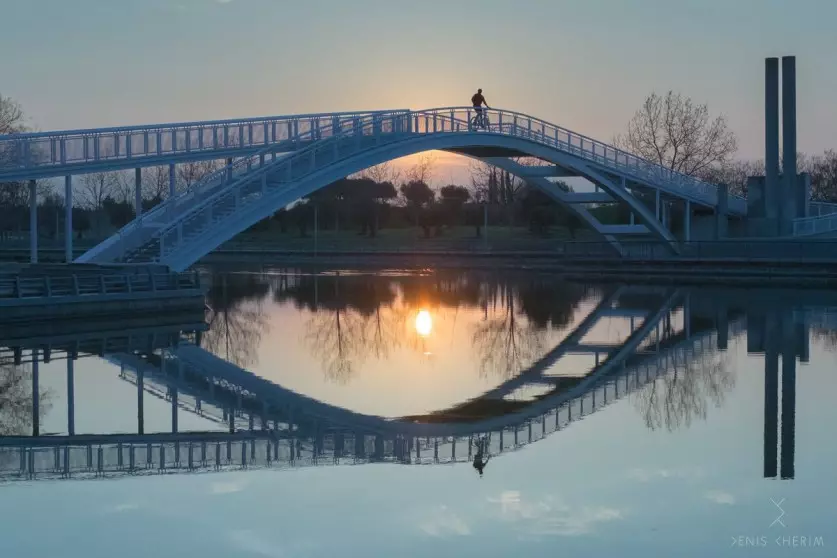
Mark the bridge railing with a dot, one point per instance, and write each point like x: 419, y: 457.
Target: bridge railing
x: 282, y: 173
x: 35, y: 155
x: 808, y: 226
x: 523, y: 125
x: 143, y: 228
x: 17, y: 290
x: 817, y: 208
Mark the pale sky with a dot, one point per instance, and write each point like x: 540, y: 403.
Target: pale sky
x: 582, y: 64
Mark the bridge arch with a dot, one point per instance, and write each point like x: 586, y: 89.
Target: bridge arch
x: 184, y: 255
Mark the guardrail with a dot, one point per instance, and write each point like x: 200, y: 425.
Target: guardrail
x: 817, y: 208
x: 751, y: 250
x: 808, y: 226
x: 522, y: 125
x: 15, y: 289
x: 42, y: 154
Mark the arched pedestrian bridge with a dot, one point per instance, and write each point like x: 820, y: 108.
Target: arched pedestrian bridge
x: 272, y: 162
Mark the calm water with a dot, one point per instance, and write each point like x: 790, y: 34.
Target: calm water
x: 611, y: 419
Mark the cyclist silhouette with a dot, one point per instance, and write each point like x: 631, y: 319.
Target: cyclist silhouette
x: 480, y: 461
x: 478, y: 100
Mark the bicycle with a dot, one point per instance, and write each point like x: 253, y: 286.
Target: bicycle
x: 480, y: 119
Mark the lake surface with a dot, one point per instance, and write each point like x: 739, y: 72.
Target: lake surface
x: 346, y: 411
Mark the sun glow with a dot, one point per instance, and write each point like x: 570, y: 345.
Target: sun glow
x: 424, y: 323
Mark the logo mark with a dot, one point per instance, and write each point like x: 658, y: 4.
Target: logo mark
x: 779, y: 519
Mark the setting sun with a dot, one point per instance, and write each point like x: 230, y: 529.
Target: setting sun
x: 424, y: 323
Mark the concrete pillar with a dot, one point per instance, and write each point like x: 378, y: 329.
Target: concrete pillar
x: 721, y: 222
x: 174, y: 410
x: 229, y: 169
x: 771, y: 409
x: 788, y: 442
x: 171, y: 181
x: 138, y: 192
x: 802, y: 194
x: 771, y: 137
x: 789, y: 122
x: 71, y: 399
x: 68, y: 219
x: 33, y: 222
x: 36, y: 395
x: 687, y: 221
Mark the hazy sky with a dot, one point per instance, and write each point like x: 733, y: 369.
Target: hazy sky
x: 583, y: 64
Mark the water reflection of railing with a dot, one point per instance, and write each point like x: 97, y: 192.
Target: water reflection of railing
x: 82, y: 457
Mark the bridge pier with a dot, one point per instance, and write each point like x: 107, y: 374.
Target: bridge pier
x: 788, y: 143
x: 174, y: 410
x: 33, y: 222
x: 140, y: 405
x: 788, y: 433
x: 687, y: 221
x: 36, y: 396
x: 71, y: 400
x: 771, y: 136
x: 68, y: 219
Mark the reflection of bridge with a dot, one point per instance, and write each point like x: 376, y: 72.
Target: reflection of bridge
x: 70, y: 339
x: 285, y: 428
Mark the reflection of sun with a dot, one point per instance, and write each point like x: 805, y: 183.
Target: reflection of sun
x: 424, y: 323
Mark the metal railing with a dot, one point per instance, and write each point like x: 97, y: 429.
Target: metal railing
x: 127, y: 144
x: 41, y: 154
x: 319, y: 155
x: 141, y: 229
x: 808, y: 226
x: 279, y: 178
x: 602, y: 154
x: 15, y: 289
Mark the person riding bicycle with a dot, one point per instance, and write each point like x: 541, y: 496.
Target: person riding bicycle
x: 478, y: 100
x: 480, y: 459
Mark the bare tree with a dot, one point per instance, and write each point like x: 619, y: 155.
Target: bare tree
x: 193, y: 171
x: 11, y: 116
x: 823, y: 169
x: 678, y: 134
x: 16, y: 400
x: 734, y: 174
x: 676, y: 399
x: 12, y: 194
x: 155, y: 183
x: 385, y: 172
x: 96, y: 188
x: 422, y: 170
x: 123, y: 187
x: 497, y: 185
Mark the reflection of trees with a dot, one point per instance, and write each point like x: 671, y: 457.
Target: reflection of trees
x: 505, y: 342
x: 681, y: 396
x: 827, y: 337
x: 347, y: 322
x: 237, y: 321
x: 358, y: 316
x: 16, y: 400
